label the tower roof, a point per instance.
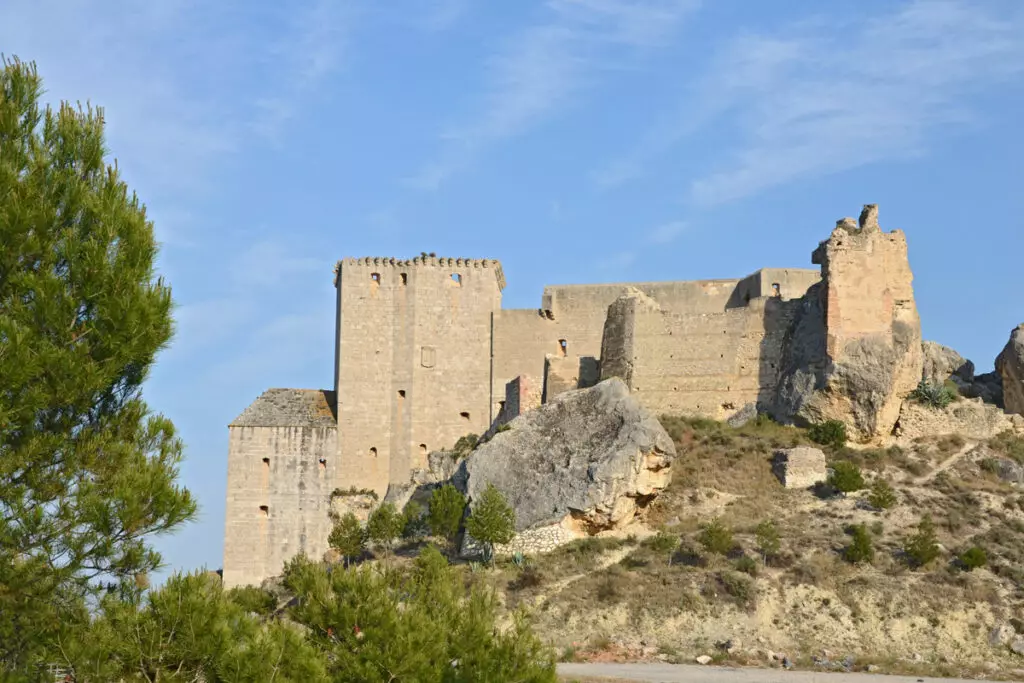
(290, 408)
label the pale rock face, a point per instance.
(586, 463)
(942, 363)
(969, 417)
(800, 467)
(873, 354)
(1010, 366)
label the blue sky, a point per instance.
(575, 140)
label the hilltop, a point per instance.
(634, 598)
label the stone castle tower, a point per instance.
(425, 354)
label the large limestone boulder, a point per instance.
(800, 467)
(1010, 366)
(942, 363)
(588, 462)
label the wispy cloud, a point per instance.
(540, 70)
(666, 233)
(618, 261)
(815, 100)
(176, 79)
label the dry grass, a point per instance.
(725, 473)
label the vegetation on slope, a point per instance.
(928, 543)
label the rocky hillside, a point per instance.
(703, 582)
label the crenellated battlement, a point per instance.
(422, 262)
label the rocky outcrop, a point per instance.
(941, 363)
(855, 350)
(969, 417)
(589, 461)
(1010, 366)
(800, 467)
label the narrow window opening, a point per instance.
(776, 289)
(405, 278)
(457, 279)
(465, 415)
(265, 509)
(373, 451)
(564, 346)
(375, 277)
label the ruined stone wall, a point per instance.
(872, 328)
(414, 361)
(521, 340)
(279, 485)
(576, 315)
(709, 364)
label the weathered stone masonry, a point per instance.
(424, 354)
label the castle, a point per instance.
(425, 354)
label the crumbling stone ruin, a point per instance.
(425, 354)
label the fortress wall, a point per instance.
(451, 354)
(793, 282)
(367, 331)
(279, 468)
(521, 340)
(695, 363)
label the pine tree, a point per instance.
(348, 537)
(384, 526)
(860, 548)
(87, 472)
(447, 505)
(923, 547)
(768, 539)
(491, 521)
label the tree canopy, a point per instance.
(87, 471)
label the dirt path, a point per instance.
(606, 561)
(945, 465)
(691, 673)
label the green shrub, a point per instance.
(348, 537)
(252, 599)
(415, 521)
(716, 537)
(491, 521)
(768, 542)
(936, 396)
(973, 558)
(882, 495)
(845, 477)
(384, 526)
(828, 433)
(923, 547)
(860, 548)
(529, 577)
(739, 586)
(663, 543)
(464, 446)
(418, 625)
(747, 565)
(445, 511)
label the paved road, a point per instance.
(693, 673)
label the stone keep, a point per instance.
(424, 354)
